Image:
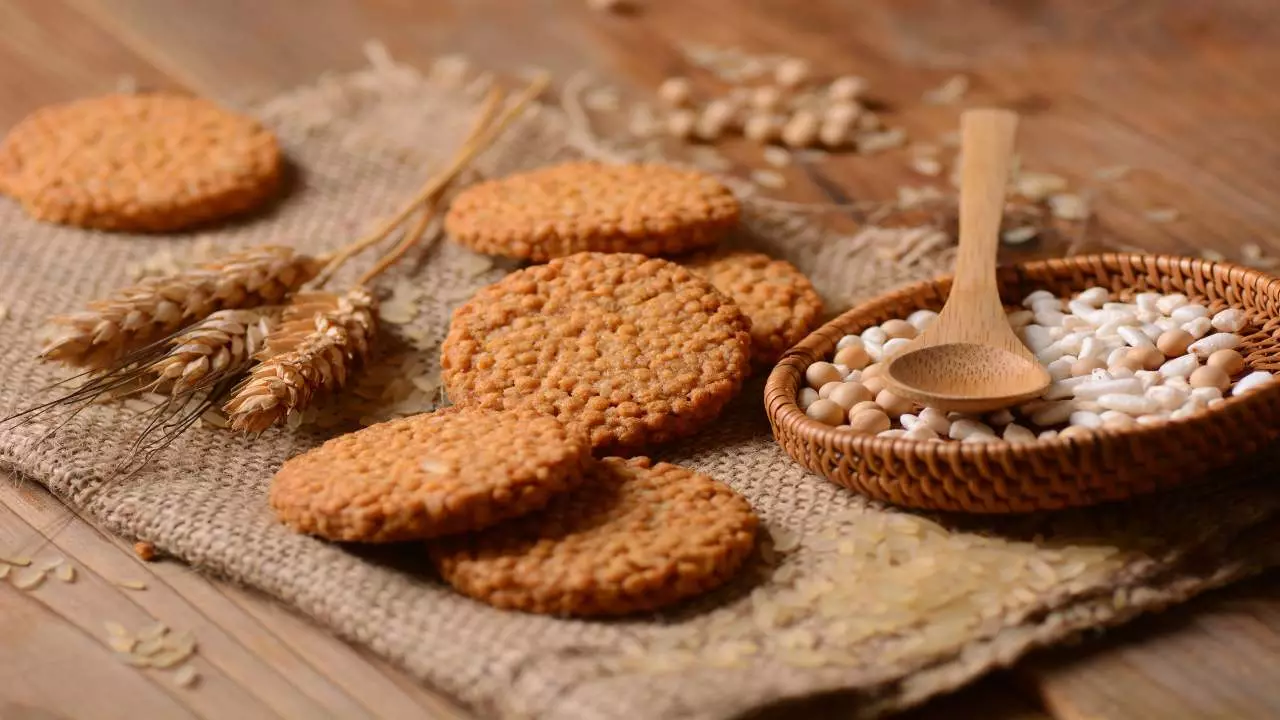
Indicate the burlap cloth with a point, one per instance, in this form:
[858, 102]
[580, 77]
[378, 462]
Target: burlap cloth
[848, 595]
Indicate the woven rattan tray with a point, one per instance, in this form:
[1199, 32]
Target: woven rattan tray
[1059, 473]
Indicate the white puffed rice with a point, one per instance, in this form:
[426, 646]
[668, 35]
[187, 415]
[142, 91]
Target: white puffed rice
[1252, 381]
[849, 341]
[1231, 320]
[1210, 344]
[1134, 336]
[1169, 303]
[962, 429]
[1189, 312]
[922, 319]
[1181, 366]
[1085, 418]
[1016, 433]
[894, 346]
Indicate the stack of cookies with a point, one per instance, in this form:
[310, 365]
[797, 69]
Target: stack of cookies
[649, 209]
[603, 350]
[520, 514]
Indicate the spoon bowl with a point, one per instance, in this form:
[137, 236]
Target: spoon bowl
[967, 377]
[969, 359]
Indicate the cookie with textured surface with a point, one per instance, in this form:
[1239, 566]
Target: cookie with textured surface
[633, 537]
[781, 302]
[576, 207]
[428, 475]
[634, 350]
[139, 163]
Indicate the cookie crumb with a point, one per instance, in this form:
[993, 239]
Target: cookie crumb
[145, 550]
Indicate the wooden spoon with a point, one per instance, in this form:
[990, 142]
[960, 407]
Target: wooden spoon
[969, 359]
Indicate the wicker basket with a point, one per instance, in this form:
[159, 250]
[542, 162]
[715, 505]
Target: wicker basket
[1059, 473]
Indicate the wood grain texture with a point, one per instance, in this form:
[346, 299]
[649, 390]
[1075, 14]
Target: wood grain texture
[1179, 91]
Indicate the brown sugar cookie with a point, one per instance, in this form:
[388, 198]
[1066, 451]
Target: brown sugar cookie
[632, 537]
[138, 163]
[779, 299]
[428, 475]
[635, 350]
[585, 206]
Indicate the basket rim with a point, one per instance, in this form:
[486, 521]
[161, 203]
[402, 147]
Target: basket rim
[786, 378]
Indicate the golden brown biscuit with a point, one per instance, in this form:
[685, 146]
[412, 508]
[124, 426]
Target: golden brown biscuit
[779, 299]
[428, 475]
[635, 350]
[139, 163]
[586, 206]
[632, 537]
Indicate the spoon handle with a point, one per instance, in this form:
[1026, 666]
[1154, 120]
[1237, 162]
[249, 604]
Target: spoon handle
[987, 138]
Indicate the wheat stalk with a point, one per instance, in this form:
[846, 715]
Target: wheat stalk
[220, 346]
[321, 339]
[109, 329]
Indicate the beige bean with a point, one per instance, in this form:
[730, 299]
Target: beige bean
[1210, 376]
[821, 373]
[855, 357]
[870, 421]
[1229, 361]
[1174, 342]
[894, 405]
[875, 384]
[807, 397]
[864, 405]
[899, 329]
[826, 412]
[849, 394]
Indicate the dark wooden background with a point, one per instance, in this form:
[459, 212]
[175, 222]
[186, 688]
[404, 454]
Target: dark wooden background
[1181, 91]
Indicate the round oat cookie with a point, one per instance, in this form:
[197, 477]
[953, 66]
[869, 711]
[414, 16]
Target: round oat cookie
[586, 206]
[138, 163]
[428, 475]
[635, 350]
[779, 299]
[632, 537]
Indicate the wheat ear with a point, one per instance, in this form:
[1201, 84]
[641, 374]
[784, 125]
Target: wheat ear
[107, 330]
[220, 346]
[321, 339]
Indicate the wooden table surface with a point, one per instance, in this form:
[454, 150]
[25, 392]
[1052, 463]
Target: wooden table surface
[1180, 91]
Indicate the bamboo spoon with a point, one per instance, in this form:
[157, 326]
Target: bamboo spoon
[969, 359]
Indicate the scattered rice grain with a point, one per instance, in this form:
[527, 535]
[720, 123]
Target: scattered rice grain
[1018, 236]
[777, 156]
[29, 580]
[186, 676]
[66, 573]
[768, 179]
[121, 643]
[948, 92]
[1114, 172]
[1162, 215]
[132, 584]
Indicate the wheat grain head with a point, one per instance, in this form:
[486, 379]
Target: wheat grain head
[321, 339]
[108, 329]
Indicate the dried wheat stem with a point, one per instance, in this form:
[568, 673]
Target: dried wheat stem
[219, 346]
[321, 339]
[108, 329]
[411, 238]
[482, 134]
[429, 191]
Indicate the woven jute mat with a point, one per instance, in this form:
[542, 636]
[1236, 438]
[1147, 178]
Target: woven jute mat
[844, 594]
